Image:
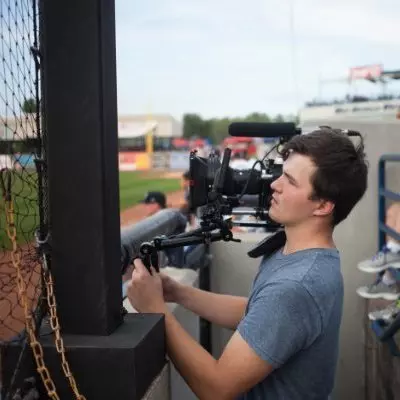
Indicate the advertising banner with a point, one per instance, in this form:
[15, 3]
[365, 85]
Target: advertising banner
[127, 161]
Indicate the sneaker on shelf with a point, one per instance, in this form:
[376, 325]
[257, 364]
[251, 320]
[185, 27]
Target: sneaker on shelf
[386, 314]
[380, 261]
[394, 264]
[379, 290]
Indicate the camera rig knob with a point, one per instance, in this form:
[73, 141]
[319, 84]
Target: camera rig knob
[149, 256]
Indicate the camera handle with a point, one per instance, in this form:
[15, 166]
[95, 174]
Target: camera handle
[148, 250]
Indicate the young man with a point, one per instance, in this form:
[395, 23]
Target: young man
[285, 344]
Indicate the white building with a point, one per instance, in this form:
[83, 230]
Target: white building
[164, 126]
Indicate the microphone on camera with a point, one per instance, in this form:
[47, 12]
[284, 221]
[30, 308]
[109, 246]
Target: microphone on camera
[263, 129]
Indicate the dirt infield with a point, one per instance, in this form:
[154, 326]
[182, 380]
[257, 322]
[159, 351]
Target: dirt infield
[11, 311]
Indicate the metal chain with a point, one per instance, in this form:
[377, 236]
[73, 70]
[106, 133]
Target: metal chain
[55, 325]
[29, 321]
[37, 348]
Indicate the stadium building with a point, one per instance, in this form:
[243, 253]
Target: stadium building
[384, 107]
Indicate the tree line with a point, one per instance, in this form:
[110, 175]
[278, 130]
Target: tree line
[216, 129]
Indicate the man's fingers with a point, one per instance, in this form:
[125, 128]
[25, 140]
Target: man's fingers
[153, 271]
[140, 267]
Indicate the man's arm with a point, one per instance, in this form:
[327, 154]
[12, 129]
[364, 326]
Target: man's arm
[237, 371]
[281, 321]
[220, 309]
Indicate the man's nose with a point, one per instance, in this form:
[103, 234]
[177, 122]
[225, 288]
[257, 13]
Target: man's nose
[275, 185]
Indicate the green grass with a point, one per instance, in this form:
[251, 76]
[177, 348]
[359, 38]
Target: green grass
[133, 187]
[26, 213]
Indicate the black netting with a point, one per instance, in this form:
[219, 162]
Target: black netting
[21, 161]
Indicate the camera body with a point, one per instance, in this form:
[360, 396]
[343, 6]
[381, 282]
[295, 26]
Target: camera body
[218, 190]
[237, 183]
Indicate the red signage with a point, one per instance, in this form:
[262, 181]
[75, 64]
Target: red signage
[366, 72]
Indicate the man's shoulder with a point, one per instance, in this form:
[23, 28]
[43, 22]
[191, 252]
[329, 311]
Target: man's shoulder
[317, 271]
[300, 264]
[323, 270]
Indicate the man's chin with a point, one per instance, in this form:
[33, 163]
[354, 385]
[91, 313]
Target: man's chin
[271, 215]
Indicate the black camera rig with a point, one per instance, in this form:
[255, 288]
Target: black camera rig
[218, 192]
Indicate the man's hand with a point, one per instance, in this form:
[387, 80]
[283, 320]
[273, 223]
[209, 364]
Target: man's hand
[145, 291]
[171, 288]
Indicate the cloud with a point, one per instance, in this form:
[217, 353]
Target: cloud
[366, 20]
[232, 57]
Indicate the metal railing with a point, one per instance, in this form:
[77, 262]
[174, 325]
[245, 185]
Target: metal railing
[386, 331]
[383, 194]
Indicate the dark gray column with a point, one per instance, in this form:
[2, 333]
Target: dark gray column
[79, 67]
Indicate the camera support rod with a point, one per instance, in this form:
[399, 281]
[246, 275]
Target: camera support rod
[204, 234]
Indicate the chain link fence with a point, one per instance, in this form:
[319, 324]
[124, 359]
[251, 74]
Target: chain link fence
[23, 202]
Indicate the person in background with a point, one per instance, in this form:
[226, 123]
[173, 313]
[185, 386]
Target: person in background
[154, 201]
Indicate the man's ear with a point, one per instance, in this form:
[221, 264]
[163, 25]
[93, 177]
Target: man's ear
[325, 208]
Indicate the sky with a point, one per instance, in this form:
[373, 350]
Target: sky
[232, 57]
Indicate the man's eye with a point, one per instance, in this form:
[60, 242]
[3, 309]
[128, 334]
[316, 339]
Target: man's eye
[291, 181]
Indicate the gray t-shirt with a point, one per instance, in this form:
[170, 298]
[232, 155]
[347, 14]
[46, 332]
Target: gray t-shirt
[292, 321]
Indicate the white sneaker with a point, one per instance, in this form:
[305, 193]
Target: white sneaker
[378, 290]
[380, 261]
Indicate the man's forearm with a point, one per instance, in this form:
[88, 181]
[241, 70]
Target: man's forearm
[196, 366]
[220, 309]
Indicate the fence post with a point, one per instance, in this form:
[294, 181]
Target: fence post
[78, 46]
